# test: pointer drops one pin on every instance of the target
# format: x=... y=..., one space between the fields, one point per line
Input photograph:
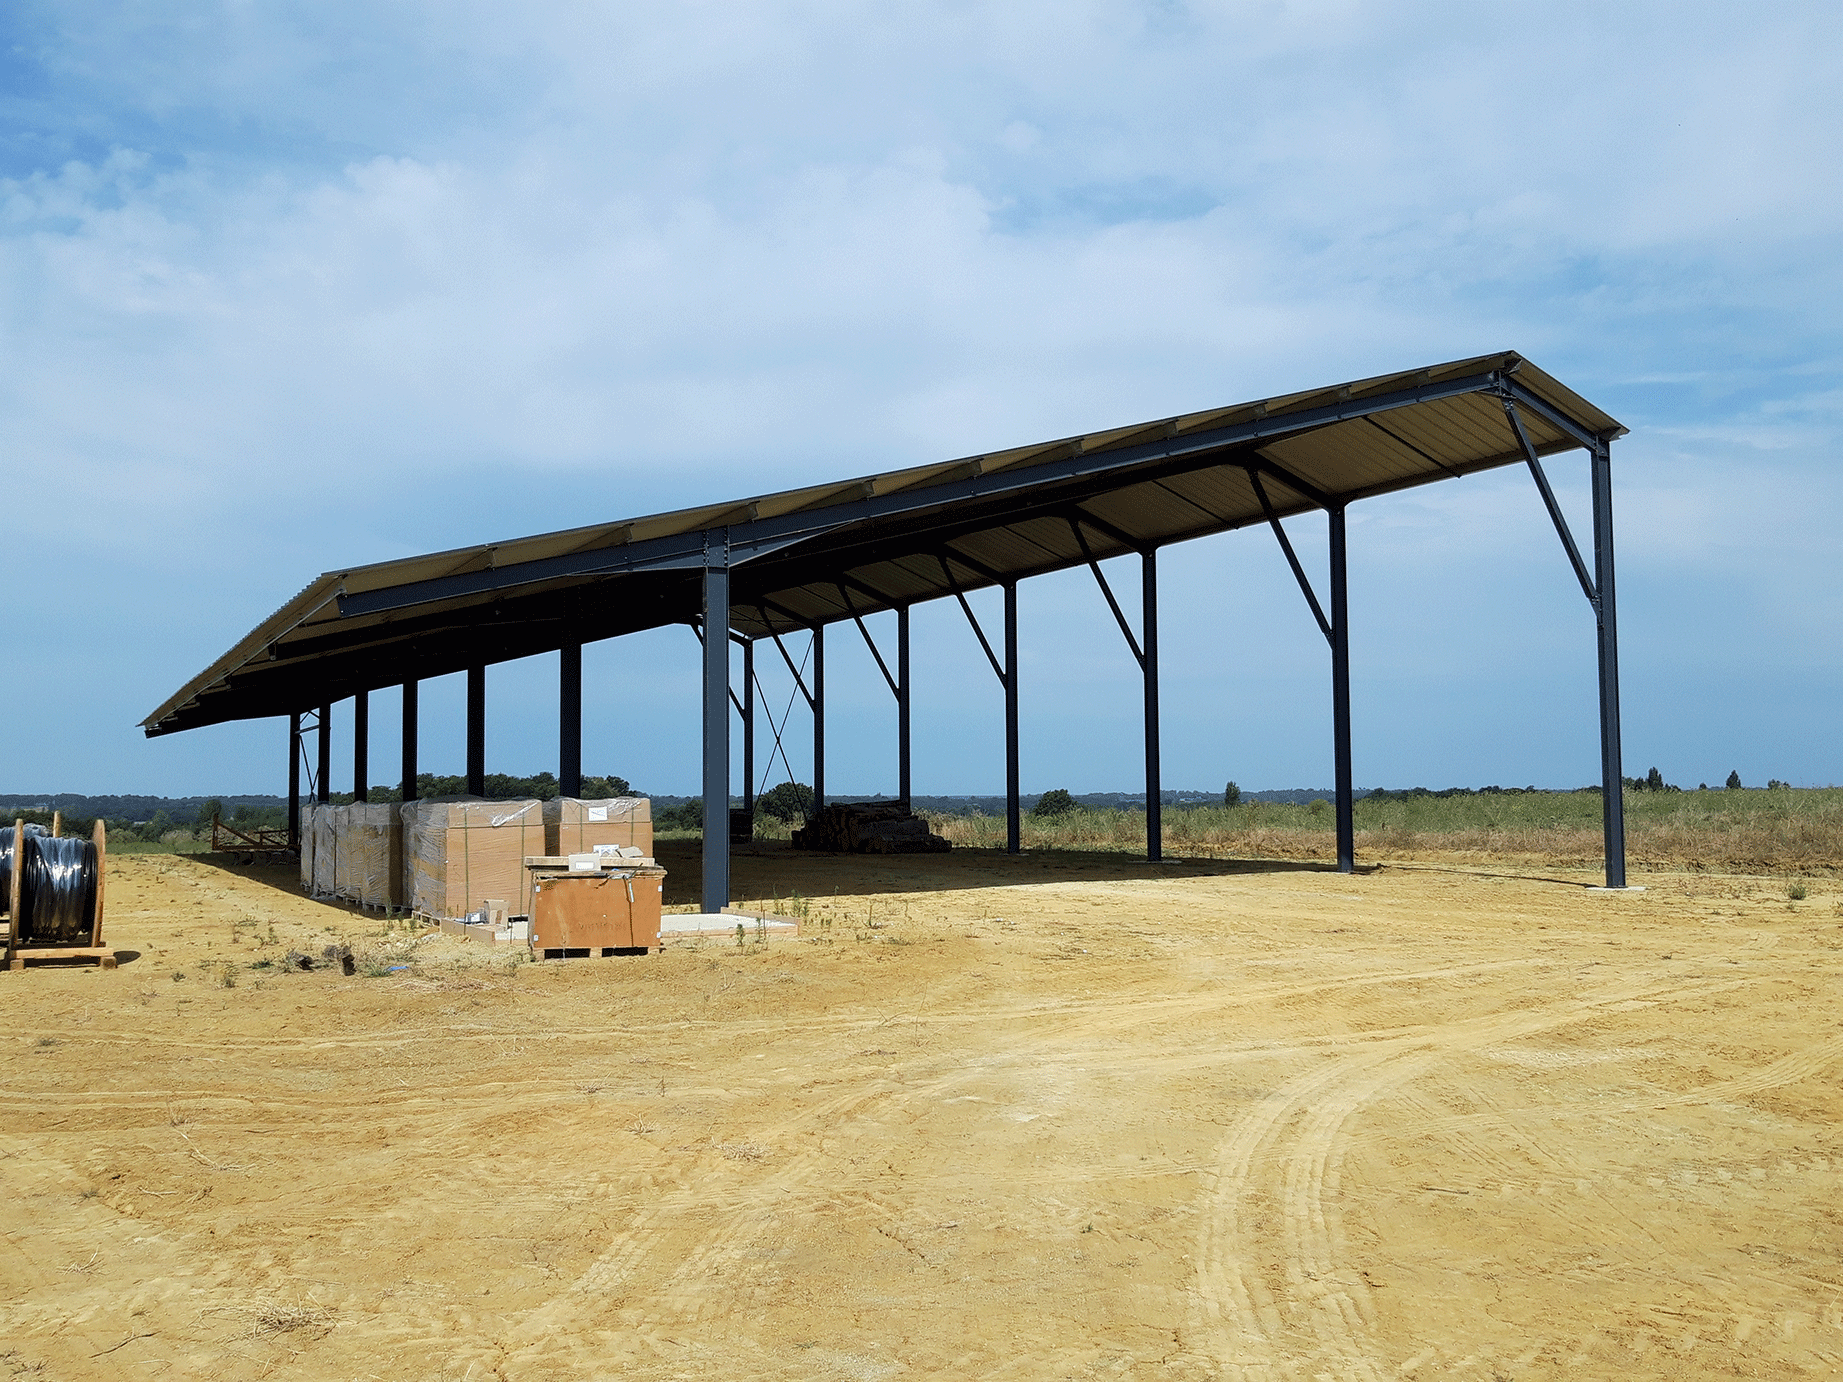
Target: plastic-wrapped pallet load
x=575 y=826
x=307 y=849
x=322 y=825
x=456 y=854
x=370 y=863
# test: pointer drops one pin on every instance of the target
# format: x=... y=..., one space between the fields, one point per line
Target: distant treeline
x=126 y=808
x=151 y=817
x=499 y=787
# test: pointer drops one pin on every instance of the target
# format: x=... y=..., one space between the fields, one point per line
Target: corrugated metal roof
x=901 y=537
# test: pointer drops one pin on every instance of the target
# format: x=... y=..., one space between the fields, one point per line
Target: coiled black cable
x=57 y=892
x=6 y=866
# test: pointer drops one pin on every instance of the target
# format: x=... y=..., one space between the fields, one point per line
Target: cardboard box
x=457 y=854
x=574 y=826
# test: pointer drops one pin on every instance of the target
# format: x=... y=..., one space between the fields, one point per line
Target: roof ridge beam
x=763 y=536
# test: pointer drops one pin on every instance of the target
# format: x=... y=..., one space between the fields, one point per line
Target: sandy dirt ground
x=1052 y=1117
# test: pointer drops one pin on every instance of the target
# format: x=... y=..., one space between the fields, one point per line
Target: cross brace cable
x=786 y=714
x=786 y=657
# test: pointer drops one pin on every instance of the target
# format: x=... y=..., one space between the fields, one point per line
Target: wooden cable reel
x=54 y=895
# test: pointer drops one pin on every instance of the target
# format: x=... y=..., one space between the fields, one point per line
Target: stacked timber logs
x=844 y=827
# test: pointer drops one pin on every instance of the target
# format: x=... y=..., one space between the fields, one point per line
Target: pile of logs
x=844 y=827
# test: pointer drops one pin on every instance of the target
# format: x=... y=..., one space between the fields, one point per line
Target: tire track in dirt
x=650 y=1230
x=683 y=1299
x=1302 y=1126
x=1082 y=1010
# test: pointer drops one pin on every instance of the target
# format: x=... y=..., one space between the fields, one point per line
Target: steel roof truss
x=1508 y=387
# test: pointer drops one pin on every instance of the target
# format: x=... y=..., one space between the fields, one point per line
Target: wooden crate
x=600 y=913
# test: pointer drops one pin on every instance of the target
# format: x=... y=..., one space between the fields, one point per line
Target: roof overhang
x=807 y=557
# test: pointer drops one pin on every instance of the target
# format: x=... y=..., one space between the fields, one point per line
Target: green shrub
x=687 y=815
x=1057 y=802
x=791 y=801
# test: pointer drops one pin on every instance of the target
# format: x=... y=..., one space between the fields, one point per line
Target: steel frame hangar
x=760 y=569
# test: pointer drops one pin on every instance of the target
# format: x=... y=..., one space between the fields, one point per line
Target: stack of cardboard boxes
x=451 y=858
x=457 y=854
x=572 y=826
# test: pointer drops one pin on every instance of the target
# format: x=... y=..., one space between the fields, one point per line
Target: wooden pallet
x=102 y=954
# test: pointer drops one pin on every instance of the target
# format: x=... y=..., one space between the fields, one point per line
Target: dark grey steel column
x=748 y=728
x=569 y=720
x=361 y=746
x=716 y=846
x=904 y=781
x=408 y=787
x=1154 y=791
x=294 y=781
x=1013 y=825
x=476 y=731
x=1612 y=765
x=819 y=717
x=1340 y=695
x=323 y=788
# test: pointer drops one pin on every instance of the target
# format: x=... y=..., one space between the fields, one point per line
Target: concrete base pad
x=686 y=925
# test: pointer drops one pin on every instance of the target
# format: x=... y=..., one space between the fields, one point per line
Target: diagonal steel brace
x=1292 y=557
x=1548 y=499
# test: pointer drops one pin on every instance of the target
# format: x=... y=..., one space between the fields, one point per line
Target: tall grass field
x=1777 y=830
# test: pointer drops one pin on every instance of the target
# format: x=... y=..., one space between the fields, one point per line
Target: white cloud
x=301 y=285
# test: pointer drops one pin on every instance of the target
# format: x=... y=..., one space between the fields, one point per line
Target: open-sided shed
x=805 y=559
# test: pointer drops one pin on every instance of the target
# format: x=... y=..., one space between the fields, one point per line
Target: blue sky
x=287 y=287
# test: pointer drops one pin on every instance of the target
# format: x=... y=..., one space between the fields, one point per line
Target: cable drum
x=6 y=864
x=57 y=895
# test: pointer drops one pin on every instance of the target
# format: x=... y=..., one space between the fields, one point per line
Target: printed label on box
x=598 y=813
x=608 y=849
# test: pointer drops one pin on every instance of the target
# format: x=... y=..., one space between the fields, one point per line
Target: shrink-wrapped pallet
x=456 y=854
x=575 y=826
x=322 y=825
x=369 y=840
x=307 y=848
